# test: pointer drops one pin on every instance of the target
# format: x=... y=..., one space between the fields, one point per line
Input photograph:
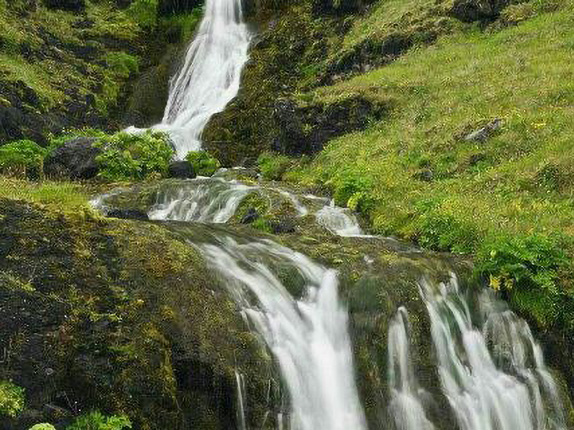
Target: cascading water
x=308 y=337
x=504 y=388
x=209 y=77
x=339 y=220
x=406 y=407
x=212 y=200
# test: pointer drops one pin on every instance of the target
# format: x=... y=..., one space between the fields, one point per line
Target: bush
x=144 y=12
x=202 y=163
x=11 y=399
x=98 y=421
x=273 y=166
x=42 y=426
x=354 y=192
x=21 y=156
x=134 y=156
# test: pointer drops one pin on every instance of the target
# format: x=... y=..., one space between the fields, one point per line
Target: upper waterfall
x=210 y=75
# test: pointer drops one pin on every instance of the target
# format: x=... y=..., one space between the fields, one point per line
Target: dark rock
x=128 y=214
x=250 y=216
x=483 y=134
x=76 y=159
x=478 y=10
x=424 y=175
x=282 y=226
x=476 y=158
x=71 y=5
x=181 y=170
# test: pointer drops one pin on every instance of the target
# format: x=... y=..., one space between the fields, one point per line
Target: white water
x=406 y=406
x=209 y=77
x=209 y=200
x=308 y=337
x=339 y=221
x=484 y=393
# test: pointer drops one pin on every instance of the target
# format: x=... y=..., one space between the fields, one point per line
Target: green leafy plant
x=97 y=421
x=42 y=426
x=202 y=163
x=273 y=166
x=144 y=12
x=354 y=191
x=20 y=156
x=11 y=399
x=134 y=156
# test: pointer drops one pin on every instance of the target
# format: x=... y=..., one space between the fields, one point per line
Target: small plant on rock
x=11 y=399
x=203 y=163
x=134 y=156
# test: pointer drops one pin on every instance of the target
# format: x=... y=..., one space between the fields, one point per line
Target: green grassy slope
x=507 y=199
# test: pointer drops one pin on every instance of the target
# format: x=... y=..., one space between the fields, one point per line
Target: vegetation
x=21 y=156
x=273 y=167
x=98 y=421
x=134 y=156
x=423 y=174
x=203 y=163
x=11 y=399
x=42 y=426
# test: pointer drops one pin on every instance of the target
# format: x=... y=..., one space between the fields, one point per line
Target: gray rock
x=76 y=159
x=134 y=214
x=181 y=170
x=250 y=216
x=483 y=134
x=72 y=5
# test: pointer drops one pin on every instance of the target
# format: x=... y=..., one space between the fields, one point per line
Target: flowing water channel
x=491 y=370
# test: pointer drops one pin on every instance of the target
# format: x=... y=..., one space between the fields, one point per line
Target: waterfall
x=506 y=387
x=209 y=77
x=309 y=337
x=406 y=406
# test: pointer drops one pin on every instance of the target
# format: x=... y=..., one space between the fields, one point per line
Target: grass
x=66 y=196
x=414 y=174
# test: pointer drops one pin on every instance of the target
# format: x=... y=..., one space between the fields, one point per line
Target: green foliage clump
x=42 y=426
x=122 y=63
x=354 y=191
x=21 y=155
x=186 y=23
x=528 y=267
x=203 y=163
x=134 y=156
x=144 y=12
x=11 y=399
x=273 y=166
x=98 y=421
x=58 y=141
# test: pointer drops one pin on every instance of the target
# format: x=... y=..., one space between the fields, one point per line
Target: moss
x=11 y=399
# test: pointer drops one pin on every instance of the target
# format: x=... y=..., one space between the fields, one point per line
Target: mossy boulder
x=121 y=317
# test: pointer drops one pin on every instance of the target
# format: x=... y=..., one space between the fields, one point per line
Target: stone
x=483 y=134
x=71 y=5
x=133 y=214
x=181 y=170
x=76 y=159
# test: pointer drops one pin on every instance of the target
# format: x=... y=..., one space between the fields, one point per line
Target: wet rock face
x=75 y=160
x=181 y=170
x=306 y=129
x=119 y=316
x=477 y=10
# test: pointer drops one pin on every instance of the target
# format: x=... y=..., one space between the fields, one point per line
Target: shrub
x=11 y=399
x=122 y=63
x=273 y=166
x=98 y=421
x=42 y=426
x=202 y=163
x=134 y=156
x=144 y=12
x=20 y=156
x=522 y=260
x=354 y=192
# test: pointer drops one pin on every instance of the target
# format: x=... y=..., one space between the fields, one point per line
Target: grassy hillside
x=504 y=194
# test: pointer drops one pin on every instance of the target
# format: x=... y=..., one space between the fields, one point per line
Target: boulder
x=181 y=170
x=76 y=159
x=71 y=5
x=484 y=133
x=478 y=10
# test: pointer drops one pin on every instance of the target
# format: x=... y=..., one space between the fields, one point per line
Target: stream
x=490 y=370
